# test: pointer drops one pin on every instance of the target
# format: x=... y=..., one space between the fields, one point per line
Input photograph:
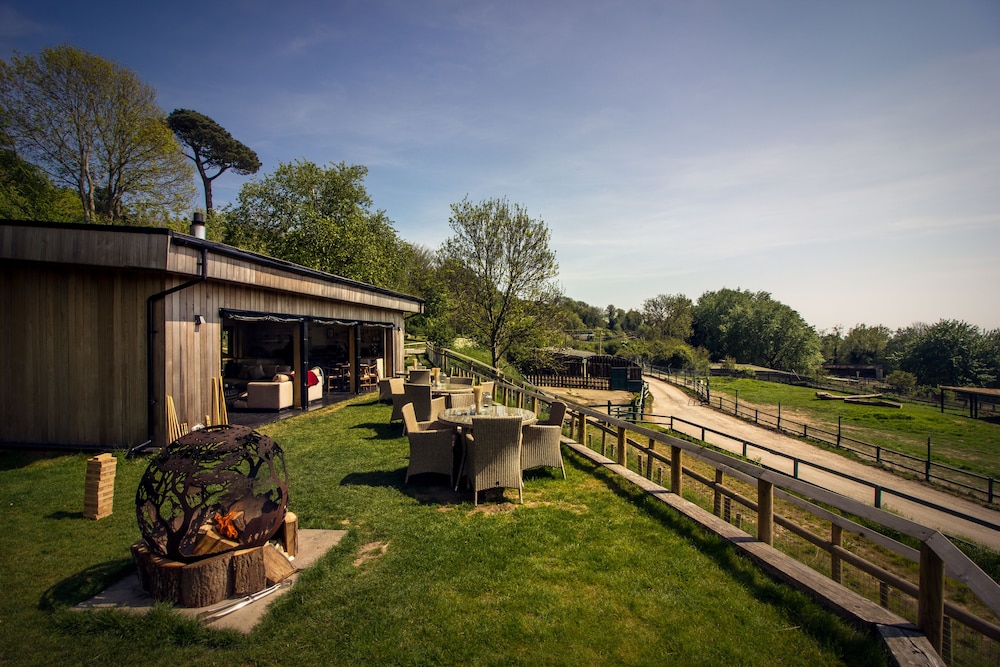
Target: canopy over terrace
x=974 y=396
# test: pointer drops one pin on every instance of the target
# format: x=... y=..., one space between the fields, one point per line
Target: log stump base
x=205 y=582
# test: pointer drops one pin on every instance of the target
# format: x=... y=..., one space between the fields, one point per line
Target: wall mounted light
x=199 y=319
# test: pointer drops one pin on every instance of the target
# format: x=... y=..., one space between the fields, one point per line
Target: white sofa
x=278 y=394
x=269 y=395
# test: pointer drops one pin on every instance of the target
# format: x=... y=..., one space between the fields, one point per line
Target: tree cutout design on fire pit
x=212 y=490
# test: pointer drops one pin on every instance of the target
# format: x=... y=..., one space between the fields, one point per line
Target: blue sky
x=842 y=156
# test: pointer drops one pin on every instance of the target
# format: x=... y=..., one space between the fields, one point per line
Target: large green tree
x=424 y=277
x=752 y=328
x=950 y=352
x=865 y=345
x=669 y=315
x=26 y=193
x=320 y=217
x=211 y=148
x=94 y=126
x=502 y=272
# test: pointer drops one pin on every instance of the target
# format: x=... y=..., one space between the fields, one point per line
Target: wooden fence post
x=765 y=512
x=676 y=470
x=930 y=602
x=581 y=435
x=621 y=454
x=649 y=459
x=836 y=539
x=717 y=494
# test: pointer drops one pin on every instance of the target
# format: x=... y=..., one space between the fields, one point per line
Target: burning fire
x=225 y=526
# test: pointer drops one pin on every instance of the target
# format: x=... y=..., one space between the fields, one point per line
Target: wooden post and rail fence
x=957 y=635
x=980 y=486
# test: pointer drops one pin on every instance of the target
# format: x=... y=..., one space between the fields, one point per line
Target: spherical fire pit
x=210 y=497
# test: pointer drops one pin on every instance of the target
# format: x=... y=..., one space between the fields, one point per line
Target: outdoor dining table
x=462 y=417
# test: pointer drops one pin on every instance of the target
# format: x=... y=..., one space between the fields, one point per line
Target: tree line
x=739 y=326
x=83 y=140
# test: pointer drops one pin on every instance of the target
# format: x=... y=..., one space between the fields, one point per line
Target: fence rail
x=569 y=382
x=973 y=484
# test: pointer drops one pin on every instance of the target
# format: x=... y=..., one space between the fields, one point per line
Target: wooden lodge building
x=102 y=324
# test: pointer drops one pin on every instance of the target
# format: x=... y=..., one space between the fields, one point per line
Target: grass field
x=586 y=572
x=956 y=440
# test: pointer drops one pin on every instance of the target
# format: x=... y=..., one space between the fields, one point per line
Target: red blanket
x=312 y=379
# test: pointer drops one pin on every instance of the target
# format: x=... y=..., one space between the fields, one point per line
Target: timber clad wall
x=73 y=306
x=75 y=374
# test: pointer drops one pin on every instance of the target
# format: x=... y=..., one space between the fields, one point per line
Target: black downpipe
x=151 y=340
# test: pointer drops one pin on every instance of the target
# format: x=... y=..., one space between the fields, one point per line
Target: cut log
x=203 y=582
x=277 y=568
x=248 y=572
x=827 y=396
x=289 y=534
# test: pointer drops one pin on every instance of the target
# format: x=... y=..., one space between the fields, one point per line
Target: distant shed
x=976 y=396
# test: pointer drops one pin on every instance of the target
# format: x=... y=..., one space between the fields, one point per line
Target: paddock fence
x=975 y=485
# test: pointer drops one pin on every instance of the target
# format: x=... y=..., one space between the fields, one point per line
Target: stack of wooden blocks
x=99 y=489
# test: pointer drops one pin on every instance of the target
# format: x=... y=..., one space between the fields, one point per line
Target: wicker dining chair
x=557 y=412
x=540 y=447
x=431 y=450
x=460 y=380
x=494 y=455
x=398 y=398
x=426 y=407
x=384 y=390
x=419 y=376
x=461 y=400
x=488 y=388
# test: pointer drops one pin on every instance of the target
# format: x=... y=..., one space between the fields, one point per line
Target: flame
x=225 y=526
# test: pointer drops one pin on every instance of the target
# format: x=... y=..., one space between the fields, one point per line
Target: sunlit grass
x=586 y=571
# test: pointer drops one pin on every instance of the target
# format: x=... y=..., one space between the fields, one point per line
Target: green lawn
x=587 y=571
x=956 y=440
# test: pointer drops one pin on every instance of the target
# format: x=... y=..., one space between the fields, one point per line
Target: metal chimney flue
x=198 y=225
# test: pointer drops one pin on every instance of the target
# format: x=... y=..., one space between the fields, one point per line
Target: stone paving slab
x=128 y=595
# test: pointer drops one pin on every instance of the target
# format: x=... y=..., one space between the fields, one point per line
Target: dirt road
x=671 y=401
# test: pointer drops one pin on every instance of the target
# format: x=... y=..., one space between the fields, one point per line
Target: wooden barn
x=102 y=324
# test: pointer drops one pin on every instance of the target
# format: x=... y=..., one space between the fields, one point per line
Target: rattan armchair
x=420 y=376
x=488 y=388
x=540 y=447
x=425 y=407
x=398 y=398
x=494 y=455
x=431 y=450
x=557 y=412
x=461 y=400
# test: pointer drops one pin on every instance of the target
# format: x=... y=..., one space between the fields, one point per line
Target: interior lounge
x=271 y=362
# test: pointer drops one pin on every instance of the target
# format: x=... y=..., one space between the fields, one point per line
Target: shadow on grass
x=809 y=616
x=12 y=458
x=383 y=430
x=426 y=488
x=84 y=585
